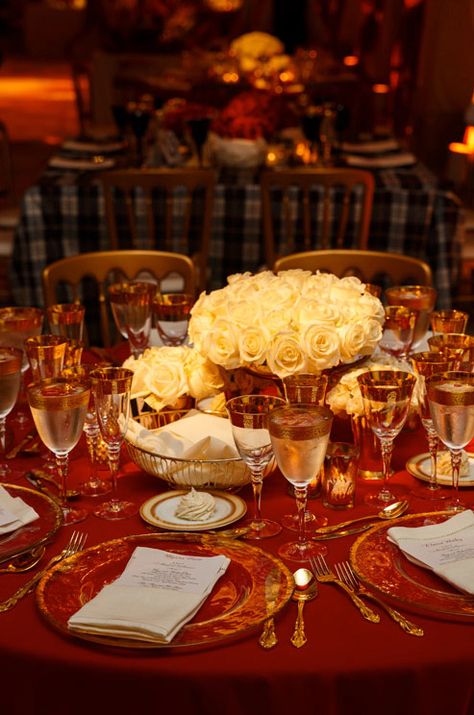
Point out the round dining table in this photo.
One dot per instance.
(347, 666)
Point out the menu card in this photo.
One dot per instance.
(157, 593)
(446, 548)
(14, 513)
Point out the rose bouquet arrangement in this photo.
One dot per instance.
(292, 322)
(257, 50)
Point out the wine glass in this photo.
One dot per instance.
(172, 312)
(249, 418)
(199, 130)
(131, 305)
(311, 122)
(451, 402)
(139, 119)
(299, 436)
(59, 406)
(449, 321)
(10, 380)
(46, 355)
(427, 364)
(66, 319)
(121, 119)
(398, 330)
(386, 395)
(17, 324)
(308, 389)
(419, 298)
(111, 387)
(453, 345)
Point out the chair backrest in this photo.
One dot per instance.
(377, 267)
(312, 208)
(87, 276)
(165, 209)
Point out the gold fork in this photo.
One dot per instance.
(76, 543)
(347, 574)
(324, 575)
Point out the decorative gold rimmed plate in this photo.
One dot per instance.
(420, 467)
(37, 532)
(236, 605)
(160, 511)
(386, 570)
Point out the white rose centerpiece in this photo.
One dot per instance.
(295, 321)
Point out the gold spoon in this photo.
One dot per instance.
(391, 511)
(24, 562)
(306, 588)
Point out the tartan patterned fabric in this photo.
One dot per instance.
(410, 215)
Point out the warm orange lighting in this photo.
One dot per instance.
(351, 60)
(469, 138)
(380, 88)
(459, 148)
(56, 89)
(286, 76)
(230, 77)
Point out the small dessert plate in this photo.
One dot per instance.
(420, 467)
(160, 511)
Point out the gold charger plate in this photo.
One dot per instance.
(236, 605)
(386, 570)
(160, 511)
(37, 532)
(420, 468)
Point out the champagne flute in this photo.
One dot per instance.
(419, 298)
(10, 380)
(66, 319)
(386, 395)
(249, 418)
(398, 330)
(448, 321)
(172, 312)
(131, 305)
(299, 435)
(427, 364)
(309, 389)
(59, 406)
(451, 402)
(111, 387)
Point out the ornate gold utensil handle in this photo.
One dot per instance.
(404, 623)
(365, 611)
(298, 638)
(268, 638)
(28, 586)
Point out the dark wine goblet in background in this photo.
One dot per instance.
(342, 117)
(199, 130)
(121, 119)
(311, 127)
(139, 118)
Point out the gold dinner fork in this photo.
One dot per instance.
(76, 543)
(324, 575)
(347, 574)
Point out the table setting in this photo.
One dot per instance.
(173, 562)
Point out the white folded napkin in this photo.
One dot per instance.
(390, 161)
(196, 436)
(62, 162)
(446, 548)
(14, 513)
(157, 593)
(377, 146)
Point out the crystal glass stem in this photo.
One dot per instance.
(256, 472)
(4, 468)
(301, 494)
(433, 450)
(455, 503)
(386, 445)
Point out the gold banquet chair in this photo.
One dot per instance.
(377, 267)
(67, 280)
(160, 205)
(320, 225)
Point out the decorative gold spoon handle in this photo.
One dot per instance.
(365, 611)
(298, 638)
(268, 638)
(343, 524)
(408, 626)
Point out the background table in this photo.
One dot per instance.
(63, 215)
(348, 665)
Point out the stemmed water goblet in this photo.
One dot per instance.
(299, 435)
(172, 312)
(427, 364)
(309, 389)
(199, 130)
(451, 402)
(398, 331)
(248, 415)
(387, 396)
(131, 305)
(58, 406)
(10, 380)
(111, 388)
(419, 298)
(67, 320)
(457, 345)
(139, 119)
(448, 321)
(311, 122)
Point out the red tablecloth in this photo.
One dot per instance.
(348, 665)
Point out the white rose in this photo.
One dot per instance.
(243, 314)
(353, 339)
(221, 345)
(253, 344)
(321, 345)
(316, 311)
(296, 277)
(204, 378)
(285, 355)
(167, 382)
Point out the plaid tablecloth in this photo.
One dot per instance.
(411, 215)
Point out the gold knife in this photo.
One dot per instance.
(21, 445)
(268, 638)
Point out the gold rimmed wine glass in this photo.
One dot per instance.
(451, 402)
(310, 389)
(172, 313)
(248, 415)
(419, 298)
(457, 345)
(398, 330)
(111, 387)
(10, 380)
(387, 396)
(299, 436)
(449, 321)
(131, 305)
(66, 319)
(426, 364)
(59, 406)
(46, 355)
